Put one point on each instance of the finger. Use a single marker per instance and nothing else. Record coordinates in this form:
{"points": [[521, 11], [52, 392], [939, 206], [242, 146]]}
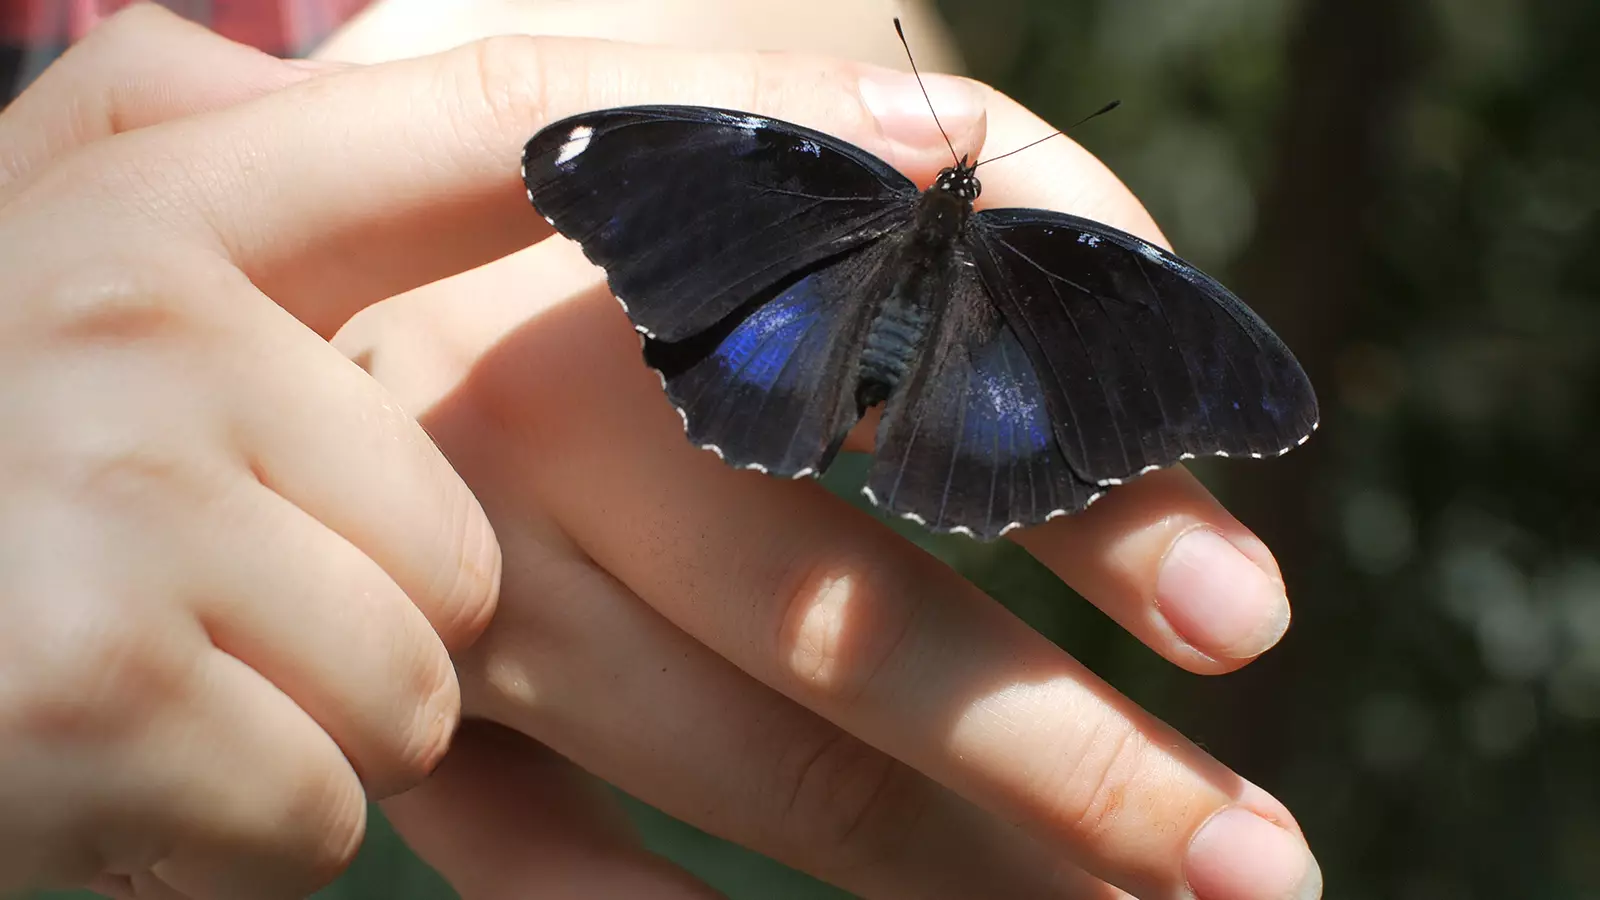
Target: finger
{"points": [[1165, 560], [356, 192], [140, 67], [298, 416], [846, 29], [341, 450], [1170, 564], [326, 625], [194, 756], [281, 819], [209, 775], [840, 615], [579, 662], [347, 454], [504, 817]]}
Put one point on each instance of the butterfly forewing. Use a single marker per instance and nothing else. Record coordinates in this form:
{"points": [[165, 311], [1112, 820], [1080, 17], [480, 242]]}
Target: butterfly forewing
{"points": [[966, 442], [693, 211], [1143, 359]]}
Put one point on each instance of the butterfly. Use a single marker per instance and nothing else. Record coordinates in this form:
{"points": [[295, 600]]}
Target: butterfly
{"points": [[784, 281]]}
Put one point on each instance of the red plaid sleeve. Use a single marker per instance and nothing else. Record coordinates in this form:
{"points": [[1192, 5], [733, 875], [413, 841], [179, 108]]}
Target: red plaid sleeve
{"points": [[34, 32]]}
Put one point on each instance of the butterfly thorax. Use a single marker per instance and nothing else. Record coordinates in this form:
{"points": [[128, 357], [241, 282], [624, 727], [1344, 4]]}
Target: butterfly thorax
{"points": [[925, 259]]}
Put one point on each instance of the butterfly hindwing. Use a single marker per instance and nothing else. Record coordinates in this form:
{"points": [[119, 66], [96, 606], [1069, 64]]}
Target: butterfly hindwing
{"points": [[774, 386], [1143, 359], [693, 211], [966, 441]]}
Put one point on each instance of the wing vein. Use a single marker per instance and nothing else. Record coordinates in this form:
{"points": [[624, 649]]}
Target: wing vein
{"points": [[955, 446]]}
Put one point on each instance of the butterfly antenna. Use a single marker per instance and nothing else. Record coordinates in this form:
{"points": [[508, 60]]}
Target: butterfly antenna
{"points": [[902, 32], [1099, 112]]}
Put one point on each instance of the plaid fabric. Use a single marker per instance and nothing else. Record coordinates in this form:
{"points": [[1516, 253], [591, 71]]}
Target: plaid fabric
{"points": [[34, 32]]}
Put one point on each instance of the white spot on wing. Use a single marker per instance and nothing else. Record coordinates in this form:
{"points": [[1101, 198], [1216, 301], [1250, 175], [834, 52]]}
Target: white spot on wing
{"points": [[577, 142], [1151, 252]]}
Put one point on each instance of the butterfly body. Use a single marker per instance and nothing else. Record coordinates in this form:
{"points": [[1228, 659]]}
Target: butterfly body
{"points": [[923, 265], [784, 281]]}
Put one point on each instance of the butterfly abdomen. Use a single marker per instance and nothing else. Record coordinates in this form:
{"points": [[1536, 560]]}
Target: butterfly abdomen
{"points": [[890, 347], [908, 315]]}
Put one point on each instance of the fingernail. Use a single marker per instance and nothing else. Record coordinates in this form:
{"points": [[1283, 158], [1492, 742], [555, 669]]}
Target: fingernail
{"points": [[1237, 855], [897, 103], [1219, 601]]}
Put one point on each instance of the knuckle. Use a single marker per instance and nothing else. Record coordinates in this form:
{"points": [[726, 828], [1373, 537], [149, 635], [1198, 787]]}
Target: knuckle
{"points": [[91, 682], [110, 301], [503, 85], [135, 23], [327, 808], [137, 474], [438, 711], [843, 625], [793, 86], [127, 472], [469, 586], [1092, 786], [119, 298], [848, 804]]}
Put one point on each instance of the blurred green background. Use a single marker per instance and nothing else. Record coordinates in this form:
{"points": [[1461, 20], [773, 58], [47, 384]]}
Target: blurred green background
{"points": [[1407, 190]]}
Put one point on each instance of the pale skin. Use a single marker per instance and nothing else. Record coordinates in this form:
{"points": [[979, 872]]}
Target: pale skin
{"points": [[235, 570]]}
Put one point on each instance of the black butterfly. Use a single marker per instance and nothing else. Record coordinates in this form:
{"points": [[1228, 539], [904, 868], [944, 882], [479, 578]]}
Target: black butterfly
{"points": [[784, 281]]}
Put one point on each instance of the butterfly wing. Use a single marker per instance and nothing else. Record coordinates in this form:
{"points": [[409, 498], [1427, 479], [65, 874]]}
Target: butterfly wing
{"points": [[1143, 359], [965, 443], [773, 386], [693, 211]]}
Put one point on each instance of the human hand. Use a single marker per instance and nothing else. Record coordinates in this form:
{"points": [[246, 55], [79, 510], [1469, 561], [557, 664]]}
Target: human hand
{"points": [[756, 657], [231, 569]]}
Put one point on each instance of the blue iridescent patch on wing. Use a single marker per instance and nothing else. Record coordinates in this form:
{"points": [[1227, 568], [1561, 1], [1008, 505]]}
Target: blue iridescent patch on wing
{"points": [[1006, 394], [757, 351]]}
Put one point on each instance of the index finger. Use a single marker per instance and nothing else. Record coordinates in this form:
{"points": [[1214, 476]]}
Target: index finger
{"points": [[336, 193]]}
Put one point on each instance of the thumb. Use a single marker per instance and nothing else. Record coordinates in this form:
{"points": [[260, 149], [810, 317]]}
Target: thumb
{"points": [[505, 817]]}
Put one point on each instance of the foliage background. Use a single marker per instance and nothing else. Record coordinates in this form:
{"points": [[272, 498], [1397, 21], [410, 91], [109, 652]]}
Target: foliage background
{"points": [[1407, 190]]}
